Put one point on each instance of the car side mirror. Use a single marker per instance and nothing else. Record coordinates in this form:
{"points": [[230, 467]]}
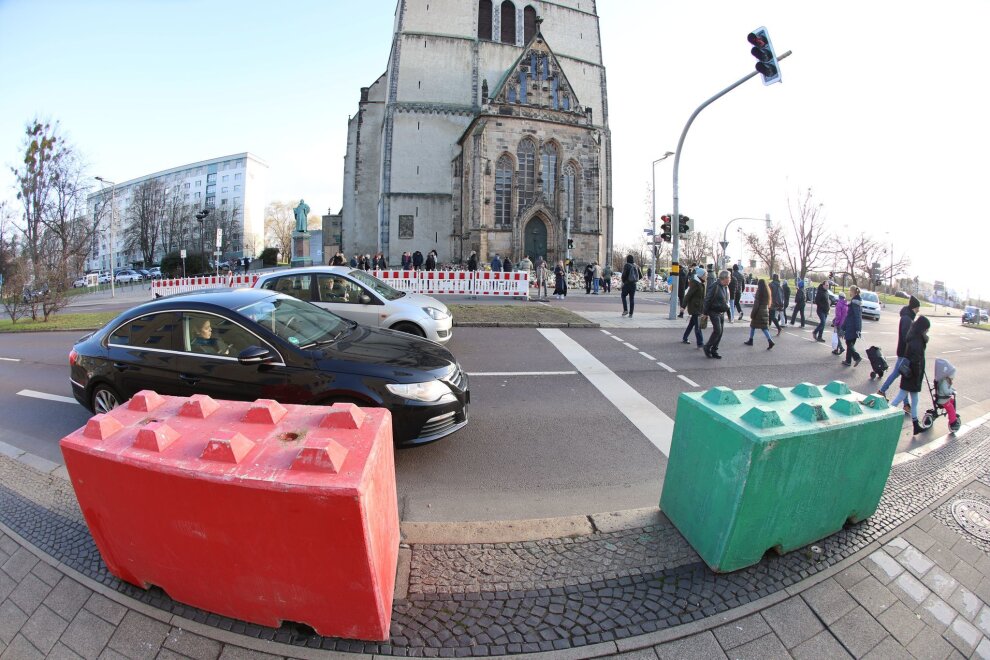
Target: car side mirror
{"points": [[255, 355], [364, 299]]}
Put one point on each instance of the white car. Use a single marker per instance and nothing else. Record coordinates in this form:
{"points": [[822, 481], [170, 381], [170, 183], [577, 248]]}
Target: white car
{"points": [[80, 282], [127, 276], [362, 298], [871, 305]]}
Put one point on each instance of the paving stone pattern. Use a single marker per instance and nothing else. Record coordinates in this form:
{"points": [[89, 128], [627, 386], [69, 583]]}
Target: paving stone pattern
{"points": [[573, 598]]}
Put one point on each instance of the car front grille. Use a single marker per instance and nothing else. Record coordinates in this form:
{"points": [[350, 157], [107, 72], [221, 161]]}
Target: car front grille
{"points": [[456, 378], [437, 425]]}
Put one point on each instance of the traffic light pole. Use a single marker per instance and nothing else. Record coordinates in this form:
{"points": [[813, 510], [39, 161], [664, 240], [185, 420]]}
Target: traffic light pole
{"points": [[675, 269]]}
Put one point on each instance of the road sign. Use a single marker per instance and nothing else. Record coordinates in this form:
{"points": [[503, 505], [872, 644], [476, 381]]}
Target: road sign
{"points": [[219, 237], [182, 254]]}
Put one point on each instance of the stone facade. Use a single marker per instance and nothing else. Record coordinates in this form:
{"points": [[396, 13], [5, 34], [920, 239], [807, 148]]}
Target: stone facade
{"points": [[470, 142]]}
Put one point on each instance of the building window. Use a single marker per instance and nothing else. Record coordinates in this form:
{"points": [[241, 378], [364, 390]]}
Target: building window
{"points": [[503, 192], [529, 24], [211, 201], [223, 201], [197, 195], [224, 189], [485, 19], [548, 171], [527, 173], [186, 186], [187, 196], [508, 23], [405, 226], [237, 188], [199, 183], [237, 177], [226, 178], [211, 178], [569, 203]]}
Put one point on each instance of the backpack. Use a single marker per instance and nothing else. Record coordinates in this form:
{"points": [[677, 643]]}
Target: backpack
{"points": [[634, 274]]}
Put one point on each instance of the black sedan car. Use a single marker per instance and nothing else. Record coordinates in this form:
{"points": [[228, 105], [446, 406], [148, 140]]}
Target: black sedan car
{"points": [[247, 344]]}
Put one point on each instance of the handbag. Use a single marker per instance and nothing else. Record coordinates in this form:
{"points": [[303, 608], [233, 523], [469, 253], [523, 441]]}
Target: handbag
{"points": [[904, 369], [703, 321]]}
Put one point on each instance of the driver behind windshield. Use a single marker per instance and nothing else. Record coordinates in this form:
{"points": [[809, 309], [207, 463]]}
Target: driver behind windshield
{"points": [[203, 340]]}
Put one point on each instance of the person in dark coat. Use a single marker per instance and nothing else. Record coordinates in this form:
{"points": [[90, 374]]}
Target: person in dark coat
{"points": [[431, 260], [472, 266], [908, 314], [507, 264], [911, 382], [853, 327], [496, 263], [417, 260], [777, 300], [759, 317], [631, 274], [822, 305], [716, 307], [682, 284], [799, 301], [694, 302], [736, 286], [589, 273]]}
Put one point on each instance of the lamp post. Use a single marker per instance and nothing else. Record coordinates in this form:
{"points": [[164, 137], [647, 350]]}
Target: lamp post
{"points": [[113, 219], [725, 236], [653, 236]]}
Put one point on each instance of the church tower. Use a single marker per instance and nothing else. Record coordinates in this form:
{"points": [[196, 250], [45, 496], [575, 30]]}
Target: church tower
{"points": [[488, 132]]}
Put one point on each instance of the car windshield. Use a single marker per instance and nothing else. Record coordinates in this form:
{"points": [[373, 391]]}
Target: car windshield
{"points": [[872, 297], [376, 285], [299, 323]]}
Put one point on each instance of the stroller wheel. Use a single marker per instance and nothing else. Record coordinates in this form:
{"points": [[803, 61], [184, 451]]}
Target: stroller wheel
{"points": [[872, 375], [927, 420]]}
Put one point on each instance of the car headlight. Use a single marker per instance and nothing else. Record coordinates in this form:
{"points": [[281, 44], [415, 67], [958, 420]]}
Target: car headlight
{"points": [[430, 391], [436, 314]]}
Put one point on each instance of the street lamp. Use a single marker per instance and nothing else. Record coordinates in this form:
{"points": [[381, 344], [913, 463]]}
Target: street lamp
{"points": [[200, 218], [725, 236], [113, 219], [653, 236]]}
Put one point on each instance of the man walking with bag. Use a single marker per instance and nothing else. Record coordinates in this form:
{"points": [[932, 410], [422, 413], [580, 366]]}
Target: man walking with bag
{"points": [[630, 275], [716, 306]]}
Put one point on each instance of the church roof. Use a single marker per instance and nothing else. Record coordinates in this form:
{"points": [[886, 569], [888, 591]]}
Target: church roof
{"points": [[521, 83]]}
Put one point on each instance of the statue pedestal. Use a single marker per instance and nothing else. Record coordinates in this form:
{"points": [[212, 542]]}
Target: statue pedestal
{"points": [[300, 250]]}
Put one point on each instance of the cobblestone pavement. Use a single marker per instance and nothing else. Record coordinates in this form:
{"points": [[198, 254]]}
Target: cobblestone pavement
{"points": [[919, 589]]}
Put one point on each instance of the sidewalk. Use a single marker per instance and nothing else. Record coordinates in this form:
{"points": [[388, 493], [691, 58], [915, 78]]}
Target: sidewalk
{"points": [[912, 581]]}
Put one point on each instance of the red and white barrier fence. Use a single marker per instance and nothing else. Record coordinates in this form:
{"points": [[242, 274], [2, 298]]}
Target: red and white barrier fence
{"points": [[748, 294], [166, 287], [432, 282]]}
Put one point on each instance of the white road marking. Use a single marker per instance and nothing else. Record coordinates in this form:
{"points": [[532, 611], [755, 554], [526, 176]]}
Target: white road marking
{"points": [[965, 337], [953, 351], [607, 332], [647, 356], [521, 373], [673, 371], [46, 396], [928, 448], [688, 380], [616, 338], [630, 346], [10, 359], [650, 420], [980, 348]]}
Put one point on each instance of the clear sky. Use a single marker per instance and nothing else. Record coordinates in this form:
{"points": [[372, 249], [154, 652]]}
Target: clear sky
{"points": [[882, 112]]}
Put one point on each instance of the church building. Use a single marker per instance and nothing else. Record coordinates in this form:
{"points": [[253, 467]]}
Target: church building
{"points": [[488, 132]]}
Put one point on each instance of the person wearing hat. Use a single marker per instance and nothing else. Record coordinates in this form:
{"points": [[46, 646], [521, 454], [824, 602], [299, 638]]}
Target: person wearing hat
{"points": [[914, 374], [908, 314], [776, 300]]}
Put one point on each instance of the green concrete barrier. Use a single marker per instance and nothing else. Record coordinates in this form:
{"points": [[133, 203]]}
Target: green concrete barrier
{"points": [[770, 468]]}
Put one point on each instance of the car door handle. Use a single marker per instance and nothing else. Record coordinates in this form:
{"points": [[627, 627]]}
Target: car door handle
{"points": [[186, 378], [121, 366]]}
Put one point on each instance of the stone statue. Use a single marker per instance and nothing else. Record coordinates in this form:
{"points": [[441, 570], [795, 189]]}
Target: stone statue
{"points": [[302, 214]]}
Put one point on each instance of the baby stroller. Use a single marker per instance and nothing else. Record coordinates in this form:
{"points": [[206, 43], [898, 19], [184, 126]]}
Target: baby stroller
{"points": [[943, 368], [877, 362]]}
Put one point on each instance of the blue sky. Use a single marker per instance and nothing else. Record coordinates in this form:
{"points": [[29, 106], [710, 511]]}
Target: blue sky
{"points": [[891, 135]]}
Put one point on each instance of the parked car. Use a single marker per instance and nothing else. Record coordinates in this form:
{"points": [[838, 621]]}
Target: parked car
{"points": [[145, 274], [34, 293], [354, 294], [105, 278], [264, 345], [124, 276], [973, 314], [871, 305], [80, 282], [155, 272]]}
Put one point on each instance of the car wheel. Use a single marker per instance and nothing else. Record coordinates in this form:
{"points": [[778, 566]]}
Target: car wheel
{"points": [[105, 399], [409, 328]]}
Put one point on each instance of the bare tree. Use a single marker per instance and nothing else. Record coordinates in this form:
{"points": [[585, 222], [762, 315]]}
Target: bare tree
{"points": [[176, 224], [768, 246], [144, 217], [697, 247], [68, 232], [810, 241], [227, 218], [44, 150], [280, 222]]}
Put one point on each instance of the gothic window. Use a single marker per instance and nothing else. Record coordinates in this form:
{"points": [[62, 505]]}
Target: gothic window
{"points": [[503, 192], [485, 19], [512, 94], [529, 24], [548, 169], [527, 173], [569, 203], [508, 23]]}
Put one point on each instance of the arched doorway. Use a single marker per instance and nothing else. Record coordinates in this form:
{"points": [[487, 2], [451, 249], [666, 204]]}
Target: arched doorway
{"points": [[535, 238]]}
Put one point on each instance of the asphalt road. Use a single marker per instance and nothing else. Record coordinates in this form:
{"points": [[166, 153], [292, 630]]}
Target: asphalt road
{"points": [[563, 422]]}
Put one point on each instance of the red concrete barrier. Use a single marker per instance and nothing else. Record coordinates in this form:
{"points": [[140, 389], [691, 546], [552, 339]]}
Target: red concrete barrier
{"points": [[257, 511]]}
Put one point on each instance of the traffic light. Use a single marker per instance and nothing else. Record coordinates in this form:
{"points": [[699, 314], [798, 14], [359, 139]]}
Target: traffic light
{"points": [[665, 230], [766, 64], [570, 243], [685, 225], [876, 273]]}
